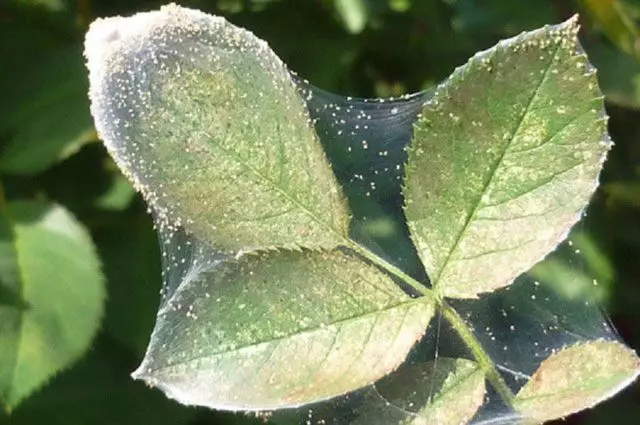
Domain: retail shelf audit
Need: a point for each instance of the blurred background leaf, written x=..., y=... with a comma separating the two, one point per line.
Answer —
x=616, y=22
x=112, y=398
x=613, y=44
x=354, y=14
x=52, y=273
x=49, y=120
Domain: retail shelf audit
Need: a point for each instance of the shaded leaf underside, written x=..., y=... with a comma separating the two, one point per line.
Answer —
x=446, y=391
x=50, y=120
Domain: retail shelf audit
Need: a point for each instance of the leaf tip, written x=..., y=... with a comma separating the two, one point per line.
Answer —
x=142, y=373
x=573, y=21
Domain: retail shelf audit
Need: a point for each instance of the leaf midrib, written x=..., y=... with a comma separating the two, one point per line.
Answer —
x=380, y=262
x=405, y=304
x=471, y=217
x=285, y=194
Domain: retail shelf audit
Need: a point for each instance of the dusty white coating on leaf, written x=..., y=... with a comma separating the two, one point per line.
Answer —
x=490, y=195
x=208, y=124
x=281, y=329
x=577, y=377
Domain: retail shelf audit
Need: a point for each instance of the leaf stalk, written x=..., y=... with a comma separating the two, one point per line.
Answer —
x=452, y=316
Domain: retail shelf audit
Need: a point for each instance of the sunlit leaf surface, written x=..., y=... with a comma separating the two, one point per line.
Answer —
x=577, y=377
x=280, y=329
x=207, y=122
x=504, y=159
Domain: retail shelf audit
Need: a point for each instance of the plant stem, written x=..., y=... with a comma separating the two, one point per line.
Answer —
x=375, y=259
x=452, y=316
x=483, y=359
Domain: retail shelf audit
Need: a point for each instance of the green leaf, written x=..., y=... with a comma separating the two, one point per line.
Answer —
x=50, y=121
x=576, y=378
x=48, y=260
x=207, y=122
x=445, y=391
x=400, y=5
x=504, y=159
x=353, y=13
x=594, y=255
x=118, y=196
x=279, y=330
x=94, y=392
x=590, y=279
x=615, y=21
x=484, y=17
x=569, y=282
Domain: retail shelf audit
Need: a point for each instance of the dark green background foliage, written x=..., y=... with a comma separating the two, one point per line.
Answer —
x=50, y=152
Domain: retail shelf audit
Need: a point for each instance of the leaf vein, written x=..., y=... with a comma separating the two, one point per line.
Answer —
x=492, y=173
